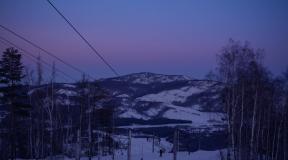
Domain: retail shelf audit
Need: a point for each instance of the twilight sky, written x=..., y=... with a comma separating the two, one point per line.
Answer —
x=161, y=36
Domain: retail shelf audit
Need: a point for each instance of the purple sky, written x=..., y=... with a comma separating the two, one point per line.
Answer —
x=162, y=36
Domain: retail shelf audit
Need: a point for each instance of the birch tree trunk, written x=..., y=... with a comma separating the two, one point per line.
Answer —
x=274, y=139
x=285, y=146
x=251, y=154
x=278, y=141
x=241, y=122
x=89, y=128
x=78, y=148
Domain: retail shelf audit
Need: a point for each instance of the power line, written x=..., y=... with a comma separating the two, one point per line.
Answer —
x=45, y=51
x=35, y=57
x=35, y=61
x=84, y=39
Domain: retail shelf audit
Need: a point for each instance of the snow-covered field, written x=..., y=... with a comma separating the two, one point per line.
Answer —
x=169, y=104
x=169, y=96
x=197, y=117
x=141, y=148
x=135, y=126
x=132, y=113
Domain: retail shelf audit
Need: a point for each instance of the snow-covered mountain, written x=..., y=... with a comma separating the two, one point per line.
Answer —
x=147, y=78
x=150, y=96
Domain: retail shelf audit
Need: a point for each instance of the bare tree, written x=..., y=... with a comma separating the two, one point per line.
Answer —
x=246, y=82
x=49, y=107
x=39, y=71
x=29, y=81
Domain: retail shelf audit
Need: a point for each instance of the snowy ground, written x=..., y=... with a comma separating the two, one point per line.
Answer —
x=169, y=109
x=198, y=118
x=141, y=148
x=136, y=126
x=175, y=95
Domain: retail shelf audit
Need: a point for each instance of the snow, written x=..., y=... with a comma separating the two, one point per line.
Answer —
x=176, y=95
x=148, y=78
x=190, y=113
x=131, y=113
x=197, y=117
x=172, y=125
x=141, y=148
x=198, y=155
x=123, y=96
x=69, y=85
x=65, y=102
x=153, y=111
x=66, y=92
x=144, y=79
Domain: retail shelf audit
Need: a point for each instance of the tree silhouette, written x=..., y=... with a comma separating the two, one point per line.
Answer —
x=14, y=97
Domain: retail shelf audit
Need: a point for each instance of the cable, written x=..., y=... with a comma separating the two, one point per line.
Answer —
x=35, y=61
x=45, y=51
x=84, y=39
x=32, y=55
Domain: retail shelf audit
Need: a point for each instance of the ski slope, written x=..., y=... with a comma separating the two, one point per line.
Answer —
x=141, y=148
x=169, y=96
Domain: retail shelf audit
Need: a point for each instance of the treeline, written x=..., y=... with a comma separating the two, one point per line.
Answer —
x=255, y=104
x=39, y=124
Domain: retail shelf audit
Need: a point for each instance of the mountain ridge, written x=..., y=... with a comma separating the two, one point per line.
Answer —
x=148, y=96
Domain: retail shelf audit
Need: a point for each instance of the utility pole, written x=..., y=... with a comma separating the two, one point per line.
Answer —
x=113, y=144
x=98, y=145
x=78, y=145
x=153, y=142
x=89, y=123
x=142, y=152
x=51, y=110
x=178, y=140
x=129, y=146
x=199, y=140
x=175, y=144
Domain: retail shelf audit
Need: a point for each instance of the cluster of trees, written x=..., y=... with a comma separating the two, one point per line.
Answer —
x=39, y=125
x=255, y=104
